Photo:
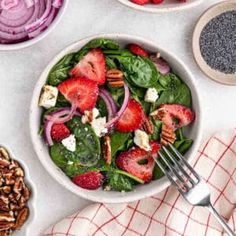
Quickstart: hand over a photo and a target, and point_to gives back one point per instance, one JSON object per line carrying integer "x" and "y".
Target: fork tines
{"x": 176, "y": 168}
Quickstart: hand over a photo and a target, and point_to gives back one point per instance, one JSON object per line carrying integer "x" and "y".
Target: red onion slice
{"x": 161, "y": 65}
{"x": 110, "y": 103}
{"x": 47, "y": 132}
{"x": 62, "y": 115}
{"x": 110, "y": 123}
{"x": 21, "y": 20}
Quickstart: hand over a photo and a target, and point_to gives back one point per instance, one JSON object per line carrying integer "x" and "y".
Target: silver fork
{"x": 190, "y": 185}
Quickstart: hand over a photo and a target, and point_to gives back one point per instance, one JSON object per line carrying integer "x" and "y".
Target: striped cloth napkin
{"x": 167, "y": 213}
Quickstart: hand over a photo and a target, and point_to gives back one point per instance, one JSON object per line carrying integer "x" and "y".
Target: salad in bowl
{"x": 106, "y": 109}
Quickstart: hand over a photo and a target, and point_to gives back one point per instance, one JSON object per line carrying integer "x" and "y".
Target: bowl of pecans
{"x": 15, "y": 196}
{"x": 157, "y": 6}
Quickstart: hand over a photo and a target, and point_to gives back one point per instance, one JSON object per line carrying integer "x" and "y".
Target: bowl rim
{"x": 31, "y": 204}
{"x": 28, "y": 43}
{"x": 85, "y": 193}
{"x": 179, "y": 7}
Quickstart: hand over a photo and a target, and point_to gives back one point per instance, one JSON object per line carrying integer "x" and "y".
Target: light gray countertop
{"x": 20, "y": 70}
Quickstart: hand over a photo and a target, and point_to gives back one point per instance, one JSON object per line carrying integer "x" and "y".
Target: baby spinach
{"x": 118, "y": 141}
{"x": 96, "y": 43}
{"x": 182, "y": 143}
{"x": 119, "y": 182}
{"x": 60, "y": 71}
{"x": 175, "y": 91}
{"x": 157, "y": 130}
{"x": 87, "y": 143}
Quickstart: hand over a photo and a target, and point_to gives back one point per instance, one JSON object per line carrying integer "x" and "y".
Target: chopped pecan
{"x": 147, "y": 125}
{"x": 5, "y": 189}
{"x": 7, "y": 216}
{"x": 3, "y": 233}
{"x": 115, "y": 78}
{"x": 18, "y": 185}
{"x": 6, "y": 225}
{"x": 26, "y": 193}
{"x": 167, "y": 135}
{"x": 4, "y": 206}
{"x": 21, "y": 218}
{"x": 4, "y": 154}
{"x": 19, "y": 172}
{"x": 106, "y": 149}
{"x": 159, "y": 114}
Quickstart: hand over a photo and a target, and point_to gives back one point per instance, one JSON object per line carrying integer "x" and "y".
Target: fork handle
{"x": 219, "y": 218}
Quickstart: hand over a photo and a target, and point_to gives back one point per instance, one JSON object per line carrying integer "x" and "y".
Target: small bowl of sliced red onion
{"x": 157, "y": 6}
{"x": 25, "y": 22}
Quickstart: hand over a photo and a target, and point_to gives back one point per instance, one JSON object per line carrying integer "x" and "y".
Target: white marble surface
{"x": 19, "y": 71}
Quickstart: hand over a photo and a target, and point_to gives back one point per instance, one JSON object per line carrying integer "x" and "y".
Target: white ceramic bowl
{"x": 30, "y": 42}
{"x": 166, "y": 6}
{"x": 140, "y": 191}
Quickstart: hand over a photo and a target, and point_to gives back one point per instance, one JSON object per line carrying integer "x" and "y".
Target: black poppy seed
{"x": 218, "y": 42}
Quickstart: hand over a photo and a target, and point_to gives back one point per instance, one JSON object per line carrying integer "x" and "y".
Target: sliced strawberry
{"x": 132, "y": 117}
{"x": 92, "y": 66}
{"x": 157, "y": 1}
{"x": 175, "y": 115}
{"x": 89, "y": 180}
{"x": 138, "y": 50}
{"x": 80, "y": 91}
{"x": 59, "y": 132}
{"x": 139, "y": 162}
{"x": 140, "y": 2}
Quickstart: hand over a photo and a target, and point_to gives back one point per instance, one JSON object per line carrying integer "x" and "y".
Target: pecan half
{"x": 147, "y": 125}
{"x": 6, "y": 216}
{"x": 4, "y": 154}
{"x": 115, "y": 78}
{"x": 6, "y": 225}
{"x": 159, "y": 114}
{"x": 21, "y": 218}
{"x": 106, "y": 149}
{"x": 167, "y": 135}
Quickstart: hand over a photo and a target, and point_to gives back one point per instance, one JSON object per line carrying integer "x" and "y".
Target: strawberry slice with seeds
{"x": 140, "y": 2}
{"x": 80, "y": 91}
{"x": 139, "y": 162}
{"x": 138, "y": 50}
{"x": 90, "y": 180}
{"x": 132, "y": 117}
{"x": 59, "y": 132}
{"x": 92, "y": 66}
{"x": 157, "y": 1}
{"x": 175, "y": 115}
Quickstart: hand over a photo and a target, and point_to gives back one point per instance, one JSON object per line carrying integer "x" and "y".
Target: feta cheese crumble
{"x": 48, "y": 97}
{"x": 69, "y": 143}
{"x": 151, "y": 95}
{"x": 98, "y": 126}
{"x": 141, "y": 139}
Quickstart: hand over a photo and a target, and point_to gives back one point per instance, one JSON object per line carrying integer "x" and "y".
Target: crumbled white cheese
{"x": 98, "y": 126}
{"x": 48, "y": 97}
{"x": 141, "y": 139}
{"x": 69, "y": 143}
{"x": 70, "y": 162}
{"x": 89, "y": 116}
{"x": 151, "y": 95}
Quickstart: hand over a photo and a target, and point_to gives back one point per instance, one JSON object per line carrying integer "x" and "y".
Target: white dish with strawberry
{"x": 104, "y": 106}
{"x": 157, "y": 6}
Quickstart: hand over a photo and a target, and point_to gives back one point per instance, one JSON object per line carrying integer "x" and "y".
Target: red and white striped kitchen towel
{"x": 167, "y": 213}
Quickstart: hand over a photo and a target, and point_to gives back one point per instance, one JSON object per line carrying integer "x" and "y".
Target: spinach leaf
{"x": 96, "y": 43}
{"x": 118, "y": 141}
{"x": 179, "y": 95}
{"x": 101, "y": 106}
{"x": 157, "y": 130}
{"x": 157, "y": 173}
{"x": 182, "y": 143}
{"x": 87, "y": 143}
{"x": 173, "y": 90}
{"x": 60, "y": 71}
{"x": 110, "y": 64}
{"x": 138, "y": 70}
{"x": 119, "y": 182}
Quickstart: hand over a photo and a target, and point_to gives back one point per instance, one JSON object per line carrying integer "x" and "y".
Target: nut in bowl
{"x": 103, "y": 124}
{"x": 16, "y": 210}
{"x": 157, "y": 6}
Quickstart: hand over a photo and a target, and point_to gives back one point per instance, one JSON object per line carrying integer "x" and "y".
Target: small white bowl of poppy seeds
{"x": 214, "y": 42}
